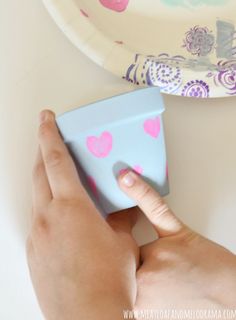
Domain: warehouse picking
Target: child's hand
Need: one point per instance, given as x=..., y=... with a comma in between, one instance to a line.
x=84, y=268
x=181, y=269
x=81, y=266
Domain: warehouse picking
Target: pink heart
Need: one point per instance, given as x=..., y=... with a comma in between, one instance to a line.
x=152, y=127
x=137, y=168
x=100, y=146
x=93, y=186
x=115, y=5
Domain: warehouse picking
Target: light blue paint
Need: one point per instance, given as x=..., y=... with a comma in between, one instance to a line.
x=123, y=116
x=194, y=3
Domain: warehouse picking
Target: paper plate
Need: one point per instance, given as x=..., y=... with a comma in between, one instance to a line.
x=186, y=47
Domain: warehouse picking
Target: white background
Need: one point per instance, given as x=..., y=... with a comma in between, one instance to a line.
x=40, y=68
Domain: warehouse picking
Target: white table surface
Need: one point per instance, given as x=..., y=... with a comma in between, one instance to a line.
x=40, y=68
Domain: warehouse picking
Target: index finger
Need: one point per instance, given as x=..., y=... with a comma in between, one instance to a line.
x=60, y=168
x=152, y=204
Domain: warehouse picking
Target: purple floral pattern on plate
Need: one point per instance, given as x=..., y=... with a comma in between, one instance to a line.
x=196, y=89
x=165, y=76
x=169, y=72
x=162, y=71
x=226, y=76
x=199, y=41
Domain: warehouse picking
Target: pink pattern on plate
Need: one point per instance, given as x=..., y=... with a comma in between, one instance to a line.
x=93, y=186
x=101, y=146
x=137, y=168
x=84, y=13
x=115, y=5
x=152, y=127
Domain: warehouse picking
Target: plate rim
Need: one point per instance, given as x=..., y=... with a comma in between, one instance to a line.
x=118, y=59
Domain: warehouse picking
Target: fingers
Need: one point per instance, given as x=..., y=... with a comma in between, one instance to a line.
x=151, y=203
x=41, y=190
x=123, y=220
x=61, y=172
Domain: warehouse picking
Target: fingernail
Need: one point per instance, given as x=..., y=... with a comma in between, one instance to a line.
x=42, y=117
x=128, y=179
x=45, y=115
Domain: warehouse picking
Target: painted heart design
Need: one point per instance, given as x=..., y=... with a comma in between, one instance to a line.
x=101, y=146
x=152, y=127
x=115, y=5
x=137, y=168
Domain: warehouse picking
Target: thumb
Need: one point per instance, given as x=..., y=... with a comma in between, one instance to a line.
x=151, y=203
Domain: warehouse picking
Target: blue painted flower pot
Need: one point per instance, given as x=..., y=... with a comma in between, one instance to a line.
x=111, y=135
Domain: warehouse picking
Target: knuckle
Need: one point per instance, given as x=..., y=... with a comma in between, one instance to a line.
x=158, y=207
x=54, y=158
x=40, y=226
x=144, y=192
x=156, y=204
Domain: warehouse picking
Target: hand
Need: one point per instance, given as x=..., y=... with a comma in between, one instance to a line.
x=82, y=267
x=181, y=269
